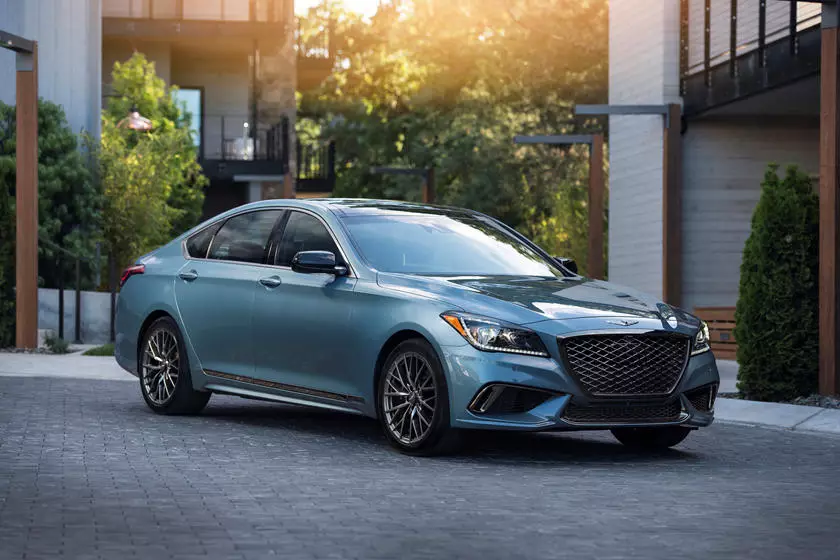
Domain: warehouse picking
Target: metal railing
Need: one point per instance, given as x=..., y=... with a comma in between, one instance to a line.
x=315, y=167
x=61, y=256
x=234, y=138
x=254, y=11
x=717, y=32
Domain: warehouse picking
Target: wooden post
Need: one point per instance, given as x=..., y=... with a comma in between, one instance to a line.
x=596, y=207
x=672, y=207
x=829, y=289
x=26, y=196
x=288, y=185
x=429, y=186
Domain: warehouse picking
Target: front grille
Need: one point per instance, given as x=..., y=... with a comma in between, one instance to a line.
x=507, y=399
x=703, y=399
x=626, y=364
x=637, y=414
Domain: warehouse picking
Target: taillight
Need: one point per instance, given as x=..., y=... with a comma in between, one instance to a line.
x=131, y=271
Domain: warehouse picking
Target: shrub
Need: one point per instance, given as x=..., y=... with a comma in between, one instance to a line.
x=55, y=344
x=104, y=350
x=777, y=311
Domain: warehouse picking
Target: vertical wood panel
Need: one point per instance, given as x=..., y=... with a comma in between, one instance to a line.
x=26, y=210
x=596, y=207
x=829, y=213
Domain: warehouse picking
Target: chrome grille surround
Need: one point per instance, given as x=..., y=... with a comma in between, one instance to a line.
x=626, y=364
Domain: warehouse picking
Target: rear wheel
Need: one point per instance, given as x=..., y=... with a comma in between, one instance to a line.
x=413, y=402
x=651, y=438
x=165, y=380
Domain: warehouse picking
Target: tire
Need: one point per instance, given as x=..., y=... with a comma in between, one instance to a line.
x=651, y=439
x=175, y=396
x=419, y=438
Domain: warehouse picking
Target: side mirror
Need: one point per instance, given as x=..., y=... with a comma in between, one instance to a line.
x=568, y=264
x=314, y=262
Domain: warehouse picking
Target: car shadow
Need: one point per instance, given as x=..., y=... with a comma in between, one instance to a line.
x=478, y=446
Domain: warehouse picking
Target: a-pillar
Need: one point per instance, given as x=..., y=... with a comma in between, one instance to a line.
x=829, y=288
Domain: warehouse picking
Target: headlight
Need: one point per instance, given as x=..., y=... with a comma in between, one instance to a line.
x=701, y=340
x=492, y=335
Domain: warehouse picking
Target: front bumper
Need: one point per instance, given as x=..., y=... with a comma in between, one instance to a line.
x=469, y=371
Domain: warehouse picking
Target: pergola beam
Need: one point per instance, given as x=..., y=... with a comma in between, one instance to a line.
x=829, y=287
x=671, y=187
x=595, y=264
x=26, y=189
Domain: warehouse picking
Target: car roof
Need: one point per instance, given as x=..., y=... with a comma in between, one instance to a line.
x=363, y=206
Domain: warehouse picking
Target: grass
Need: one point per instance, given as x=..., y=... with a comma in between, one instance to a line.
x=104, y=350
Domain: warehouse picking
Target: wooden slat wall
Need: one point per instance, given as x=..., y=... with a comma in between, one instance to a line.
x=721, y=321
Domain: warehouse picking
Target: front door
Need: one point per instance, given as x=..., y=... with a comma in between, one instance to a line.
x=303, y=323
x=215, y=295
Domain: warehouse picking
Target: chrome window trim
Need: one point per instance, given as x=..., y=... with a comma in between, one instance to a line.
x=350, y=271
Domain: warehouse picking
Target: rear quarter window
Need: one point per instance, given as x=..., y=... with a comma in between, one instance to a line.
x=198, y=244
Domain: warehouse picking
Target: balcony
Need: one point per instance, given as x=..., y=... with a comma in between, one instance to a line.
x=733, y=49
x=228, y=146
x=315, y=56
x=194, y=19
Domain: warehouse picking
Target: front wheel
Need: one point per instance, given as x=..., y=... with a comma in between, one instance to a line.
x=651, y=438
x=165, y=372
x=413, y=403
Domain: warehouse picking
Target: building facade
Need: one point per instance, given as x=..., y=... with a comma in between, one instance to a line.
x=746, y=73
x=235, y=63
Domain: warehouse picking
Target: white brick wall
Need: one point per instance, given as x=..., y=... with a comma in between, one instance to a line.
x=723, y=166
x=644, y=69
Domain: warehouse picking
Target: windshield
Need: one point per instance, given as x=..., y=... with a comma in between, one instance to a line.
x=443, y=245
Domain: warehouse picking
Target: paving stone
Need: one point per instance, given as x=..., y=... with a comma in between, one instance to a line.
x=87, y=471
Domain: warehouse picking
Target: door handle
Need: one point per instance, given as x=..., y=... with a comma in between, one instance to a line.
x=271, y=281
x=188, y=275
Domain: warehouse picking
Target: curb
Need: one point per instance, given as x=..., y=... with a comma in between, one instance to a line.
x=791, y=417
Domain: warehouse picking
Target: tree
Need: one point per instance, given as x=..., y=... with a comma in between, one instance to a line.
x=68, y=201
x=449, y=84
x=777, y=312
x=136, y=85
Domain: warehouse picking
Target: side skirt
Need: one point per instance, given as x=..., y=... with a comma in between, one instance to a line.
x=281, y=392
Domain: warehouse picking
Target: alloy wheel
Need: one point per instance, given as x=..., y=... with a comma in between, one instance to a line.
x=410, y=398
x=161, y=366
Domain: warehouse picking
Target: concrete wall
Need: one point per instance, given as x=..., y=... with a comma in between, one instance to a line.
x=96, y=314
x=217, y=10
x=644, y=69
x=116, y=50
x=69, y=35
x=725, y=160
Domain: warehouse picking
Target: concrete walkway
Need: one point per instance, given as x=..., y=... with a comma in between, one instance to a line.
x=774, y=415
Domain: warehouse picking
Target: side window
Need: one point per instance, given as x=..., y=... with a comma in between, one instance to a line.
x=304, y=232
x=198, y=244
x=244, y=237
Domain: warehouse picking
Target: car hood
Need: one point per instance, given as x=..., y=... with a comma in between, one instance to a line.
x=529, y=299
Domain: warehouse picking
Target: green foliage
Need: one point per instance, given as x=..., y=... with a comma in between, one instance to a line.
x=777, y=312
x=151, y=181
x=55, y=344
x=104, y=350
x=136, y=85
x=442, y=84
x=68, y=201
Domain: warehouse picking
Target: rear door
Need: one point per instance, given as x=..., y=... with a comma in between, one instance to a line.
x=214, y=290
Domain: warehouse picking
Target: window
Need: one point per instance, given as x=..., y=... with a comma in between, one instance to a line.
x=190, y=102
x=432, y=244
x=198, y=244
x=243, y=238
x=304, y=232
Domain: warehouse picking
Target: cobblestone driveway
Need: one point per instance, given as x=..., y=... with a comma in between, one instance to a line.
x=86, y=471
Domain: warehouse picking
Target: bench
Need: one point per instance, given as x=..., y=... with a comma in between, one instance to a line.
x=721, y=321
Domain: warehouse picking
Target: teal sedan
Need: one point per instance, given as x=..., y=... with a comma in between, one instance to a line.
x=432, y=320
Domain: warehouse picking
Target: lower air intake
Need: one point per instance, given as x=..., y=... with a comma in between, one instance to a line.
x=637, y=414
x=508, y=399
